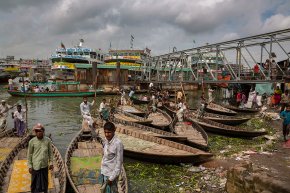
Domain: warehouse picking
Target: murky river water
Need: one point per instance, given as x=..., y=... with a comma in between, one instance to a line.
x=61, y=116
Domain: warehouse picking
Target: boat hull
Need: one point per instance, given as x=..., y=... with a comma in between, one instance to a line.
x=221, y=129
x=51, y=94
x=138, y=101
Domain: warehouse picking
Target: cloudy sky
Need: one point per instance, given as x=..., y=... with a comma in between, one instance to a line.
x=35, y=28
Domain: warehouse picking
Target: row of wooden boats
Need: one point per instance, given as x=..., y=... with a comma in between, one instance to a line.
x=144, y=138
x=216, y=127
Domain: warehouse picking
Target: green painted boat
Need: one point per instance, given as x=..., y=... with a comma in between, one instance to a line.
x=52, y=94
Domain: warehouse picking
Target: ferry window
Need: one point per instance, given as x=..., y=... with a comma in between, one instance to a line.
x=121, y=54
x=86, y=53
x=131, y=54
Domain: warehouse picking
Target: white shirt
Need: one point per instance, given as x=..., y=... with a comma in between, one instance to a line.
x=102, y=105
x=4, y=108
x=113, y=158
x=19, y=115
x=123, y=93
x=131, y=93
x=150, y=85
x=85, y=108
x=10, y=81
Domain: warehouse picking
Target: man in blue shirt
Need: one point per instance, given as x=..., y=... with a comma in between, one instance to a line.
x=286, y=123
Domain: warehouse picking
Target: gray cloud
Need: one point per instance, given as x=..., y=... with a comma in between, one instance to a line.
x=34, y=28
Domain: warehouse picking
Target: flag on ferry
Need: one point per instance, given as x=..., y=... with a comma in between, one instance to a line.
x=62, y=45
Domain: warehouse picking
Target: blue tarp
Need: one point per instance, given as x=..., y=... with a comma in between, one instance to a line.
x=264, y=88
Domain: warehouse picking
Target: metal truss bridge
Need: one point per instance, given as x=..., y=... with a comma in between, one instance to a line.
x=230, y=61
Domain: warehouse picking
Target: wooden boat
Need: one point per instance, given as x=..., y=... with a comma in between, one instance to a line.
x=7, y=133
x=83, y=177
x=3, y=123
x=14, y=176
x=137, y=101
x=170, y=109
x=218, y=109
x=218, y=128
x=241, y=110
x=154, y=149
x=196, y=136
x=224, y=119
x=148, y=130
x=132, y=118
x=53, y=94
x=161, y=120
x=131, y=109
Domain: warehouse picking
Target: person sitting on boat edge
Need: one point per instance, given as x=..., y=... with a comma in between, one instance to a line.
x=286, y=123
x=4, y=107
x=85, y=108
x=40, y=159
x=19, y=120
x=112, y=160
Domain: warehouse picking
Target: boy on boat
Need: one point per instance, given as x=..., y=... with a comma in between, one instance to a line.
x=112, y=160
x=85, y=108
x=40, y=159
x=286, y=123
x=19, y=120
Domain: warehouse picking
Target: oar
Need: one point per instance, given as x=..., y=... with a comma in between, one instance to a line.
x=26, y=109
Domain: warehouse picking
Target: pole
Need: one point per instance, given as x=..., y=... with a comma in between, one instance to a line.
x=25, y=103
x=95, y=98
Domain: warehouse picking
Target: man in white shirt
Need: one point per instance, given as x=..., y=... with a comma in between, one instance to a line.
x=85, y=108
x=151, y=86
x=123, y=99
x=10, y=83
x=19, y=120
x=112, y=159
x=4, y=107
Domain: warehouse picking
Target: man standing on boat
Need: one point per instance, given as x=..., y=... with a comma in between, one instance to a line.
x=210, y=93
x=39, y=157
x=85, y=107
x=19, y=120
x=103, y=110
x=112, y=159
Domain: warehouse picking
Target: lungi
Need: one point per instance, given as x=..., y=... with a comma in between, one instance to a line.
x=19, y=126
x=109, y=189
x=39, y=180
